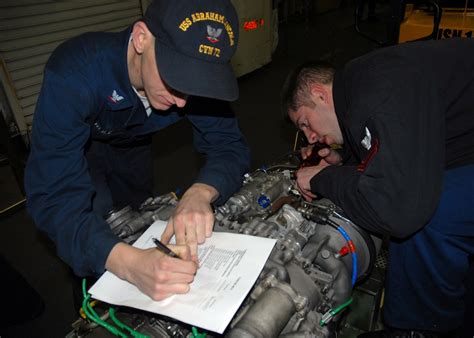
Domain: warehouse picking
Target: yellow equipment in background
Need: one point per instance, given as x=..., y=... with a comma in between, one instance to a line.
x=435, y=20
x=258, y=34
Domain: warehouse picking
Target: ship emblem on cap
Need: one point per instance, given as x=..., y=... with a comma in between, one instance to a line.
x=213, y=34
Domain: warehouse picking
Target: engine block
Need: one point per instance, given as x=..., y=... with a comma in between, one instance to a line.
x=308, y=279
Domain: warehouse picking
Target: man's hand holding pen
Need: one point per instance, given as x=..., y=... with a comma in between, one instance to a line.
x=154, y=272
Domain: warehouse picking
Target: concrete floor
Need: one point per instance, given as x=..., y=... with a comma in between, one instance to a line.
x=328, y=35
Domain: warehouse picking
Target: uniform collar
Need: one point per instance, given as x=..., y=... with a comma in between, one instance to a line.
x=118, y=92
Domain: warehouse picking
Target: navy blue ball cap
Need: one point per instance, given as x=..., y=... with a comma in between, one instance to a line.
x=195, y=40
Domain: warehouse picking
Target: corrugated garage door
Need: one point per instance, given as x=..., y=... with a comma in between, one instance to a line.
x=29, y=32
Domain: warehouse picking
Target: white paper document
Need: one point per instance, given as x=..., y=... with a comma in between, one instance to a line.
x=229, y=266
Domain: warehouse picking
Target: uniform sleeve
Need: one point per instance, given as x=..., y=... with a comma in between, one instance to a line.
x=396, y=188
x=218, y=137
x=58, y=185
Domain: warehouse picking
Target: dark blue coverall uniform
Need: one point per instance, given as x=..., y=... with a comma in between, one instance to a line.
x=407, y=117
x=91, y=147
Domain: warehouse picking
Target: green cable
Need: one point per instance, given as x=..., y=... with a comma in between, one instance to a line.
x=91, y=314
x=331, y=313
x=341, y=307
x=196, y=334
x=124, y=326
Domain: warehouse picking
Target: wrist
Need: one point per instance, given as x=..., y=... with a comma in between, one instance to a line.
x=208, y=192
x=120, y=258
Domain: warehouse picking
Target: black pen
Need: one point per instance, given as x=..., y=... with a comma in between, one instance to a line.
x=164, y=249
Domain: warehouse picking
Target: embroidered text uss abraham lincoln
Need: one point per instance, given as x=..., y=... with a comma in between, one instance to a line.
x=208, y=16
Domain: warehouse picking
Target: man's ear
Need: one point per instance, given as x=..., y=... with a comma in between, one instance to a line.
x=141, y=36
x=319, y=93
